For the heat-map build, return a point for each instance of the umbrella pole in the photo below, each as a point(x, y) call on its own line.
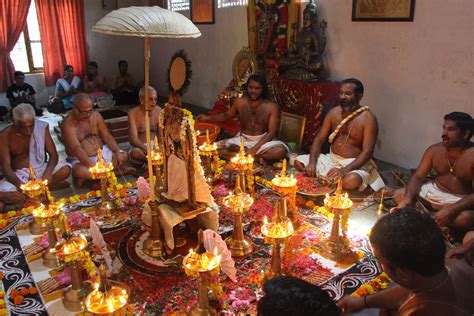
point(147, 116)
point(153, 245)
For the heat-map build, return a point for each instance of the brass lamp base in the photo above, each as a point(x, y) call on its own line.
point(36, 228)
point(270, 274)
point(50, 260)
point(197, 311)
point(73, 298)
point(239, 248)
point(153, 248)
point(105, 208)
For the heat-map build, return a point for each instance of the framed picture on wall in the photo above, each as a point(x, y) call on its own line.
point(383, 10)
point(202, 11)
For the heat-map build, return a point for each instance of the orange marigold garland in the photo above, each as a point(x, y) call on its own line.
point(375, 285)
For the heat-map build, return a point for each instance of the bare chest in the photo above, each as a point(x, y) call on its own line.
point(254, 119)
point(84, 130)
point(352, 132)
point(19, 145)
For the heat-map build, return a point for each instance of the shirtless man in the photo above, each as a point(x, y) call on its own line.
point(259, 119)
point(136, 125)
point(453, 161)
point(85, 132)
point(28, 141)
point(354, 132)
point(411, 249)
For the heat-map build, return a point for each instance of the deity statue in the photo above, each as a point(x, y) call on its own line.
point(305, 61)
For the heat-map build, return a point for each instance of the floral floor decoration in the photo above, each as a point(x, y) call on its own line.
point(168, 290)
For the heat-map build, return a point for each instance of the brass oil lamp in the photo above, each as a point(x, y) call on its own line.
point(277, 230)
point(66, 250)
point(102, 171)
point(286, 186)
point(337, 245)
point(202, 263)
point(242, 164)
point(36, 189)
point(45, 215)
point(107, 297)
point(238, 244)
point(209, 150)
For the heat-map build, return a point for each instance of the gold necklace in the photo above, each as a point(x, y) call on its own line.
point(451, 167)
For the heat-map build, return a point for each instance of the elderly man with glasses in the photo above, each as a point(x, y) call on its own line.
point(84, 132)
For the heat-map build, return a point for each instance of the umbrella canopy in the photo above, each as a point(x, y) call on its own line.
point(146, 22)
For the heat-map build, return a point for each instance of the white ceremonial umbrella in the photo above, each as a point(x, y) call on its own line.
point(147, 22)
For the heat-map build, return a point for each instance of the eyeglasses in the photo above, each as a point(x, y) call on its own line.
point(86, 111)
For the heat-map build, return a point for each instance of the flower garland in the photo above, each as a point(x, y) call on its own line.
point(217, 166)
point(84, 258)
point(3, 308)
point(381, 282)
point(18, 296)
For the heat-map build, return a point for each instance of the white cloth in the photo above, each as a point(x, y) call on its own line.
point(326, 162)
point(251, 140)
point(437, 197)
point(178, 183)
point(178, 191)
point(76, 82)
point(36, 157)
point(107, 156)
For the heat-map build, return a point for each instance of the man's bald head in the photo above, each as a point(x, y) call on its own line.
point(83, 107)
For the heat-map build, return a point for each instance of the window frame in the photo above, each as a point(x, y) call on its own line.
point(29, 52)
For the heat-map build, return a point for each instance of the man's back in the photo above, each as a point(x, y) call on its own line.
point(451, 297)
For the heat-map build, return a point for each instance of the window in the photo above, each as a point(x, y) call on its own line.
point(231, 3)
point(178, 5)
point(27, 55)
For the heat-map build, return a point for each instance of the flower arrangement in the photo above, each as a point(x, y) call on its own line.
point(84, 258)
point(381, 282)
point(17, 296)
point(3, 308)
point(241, 298)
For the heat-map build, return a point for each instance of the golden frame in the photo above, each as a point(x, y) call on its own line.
point(291, 128)
point(244, 58)
point(383, 10)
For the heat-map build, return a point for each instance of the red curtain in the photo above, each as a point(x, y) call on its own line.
point(12, 21)
point(62, 28)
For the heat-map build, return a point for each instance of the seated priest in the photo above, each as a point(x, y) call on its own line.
point(68, 86)
point(453, 162)
point(353, 131)
point(259, 120)
point(29, 142)
point(84, 132)
point(187, 193)
point(411, 249)
point(136, 126)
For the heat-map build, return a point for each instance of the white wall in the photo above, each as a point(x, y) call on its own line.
point(211, 55)
point(107, 50)
point(413, 72)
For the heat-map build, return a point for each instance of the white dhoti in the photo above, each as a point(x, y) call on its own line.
point(368, 172)
point(250, 141)
point(178, 191)
point(24, 175)
point(438, 198)
point(36, 157)
point(107, 156)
